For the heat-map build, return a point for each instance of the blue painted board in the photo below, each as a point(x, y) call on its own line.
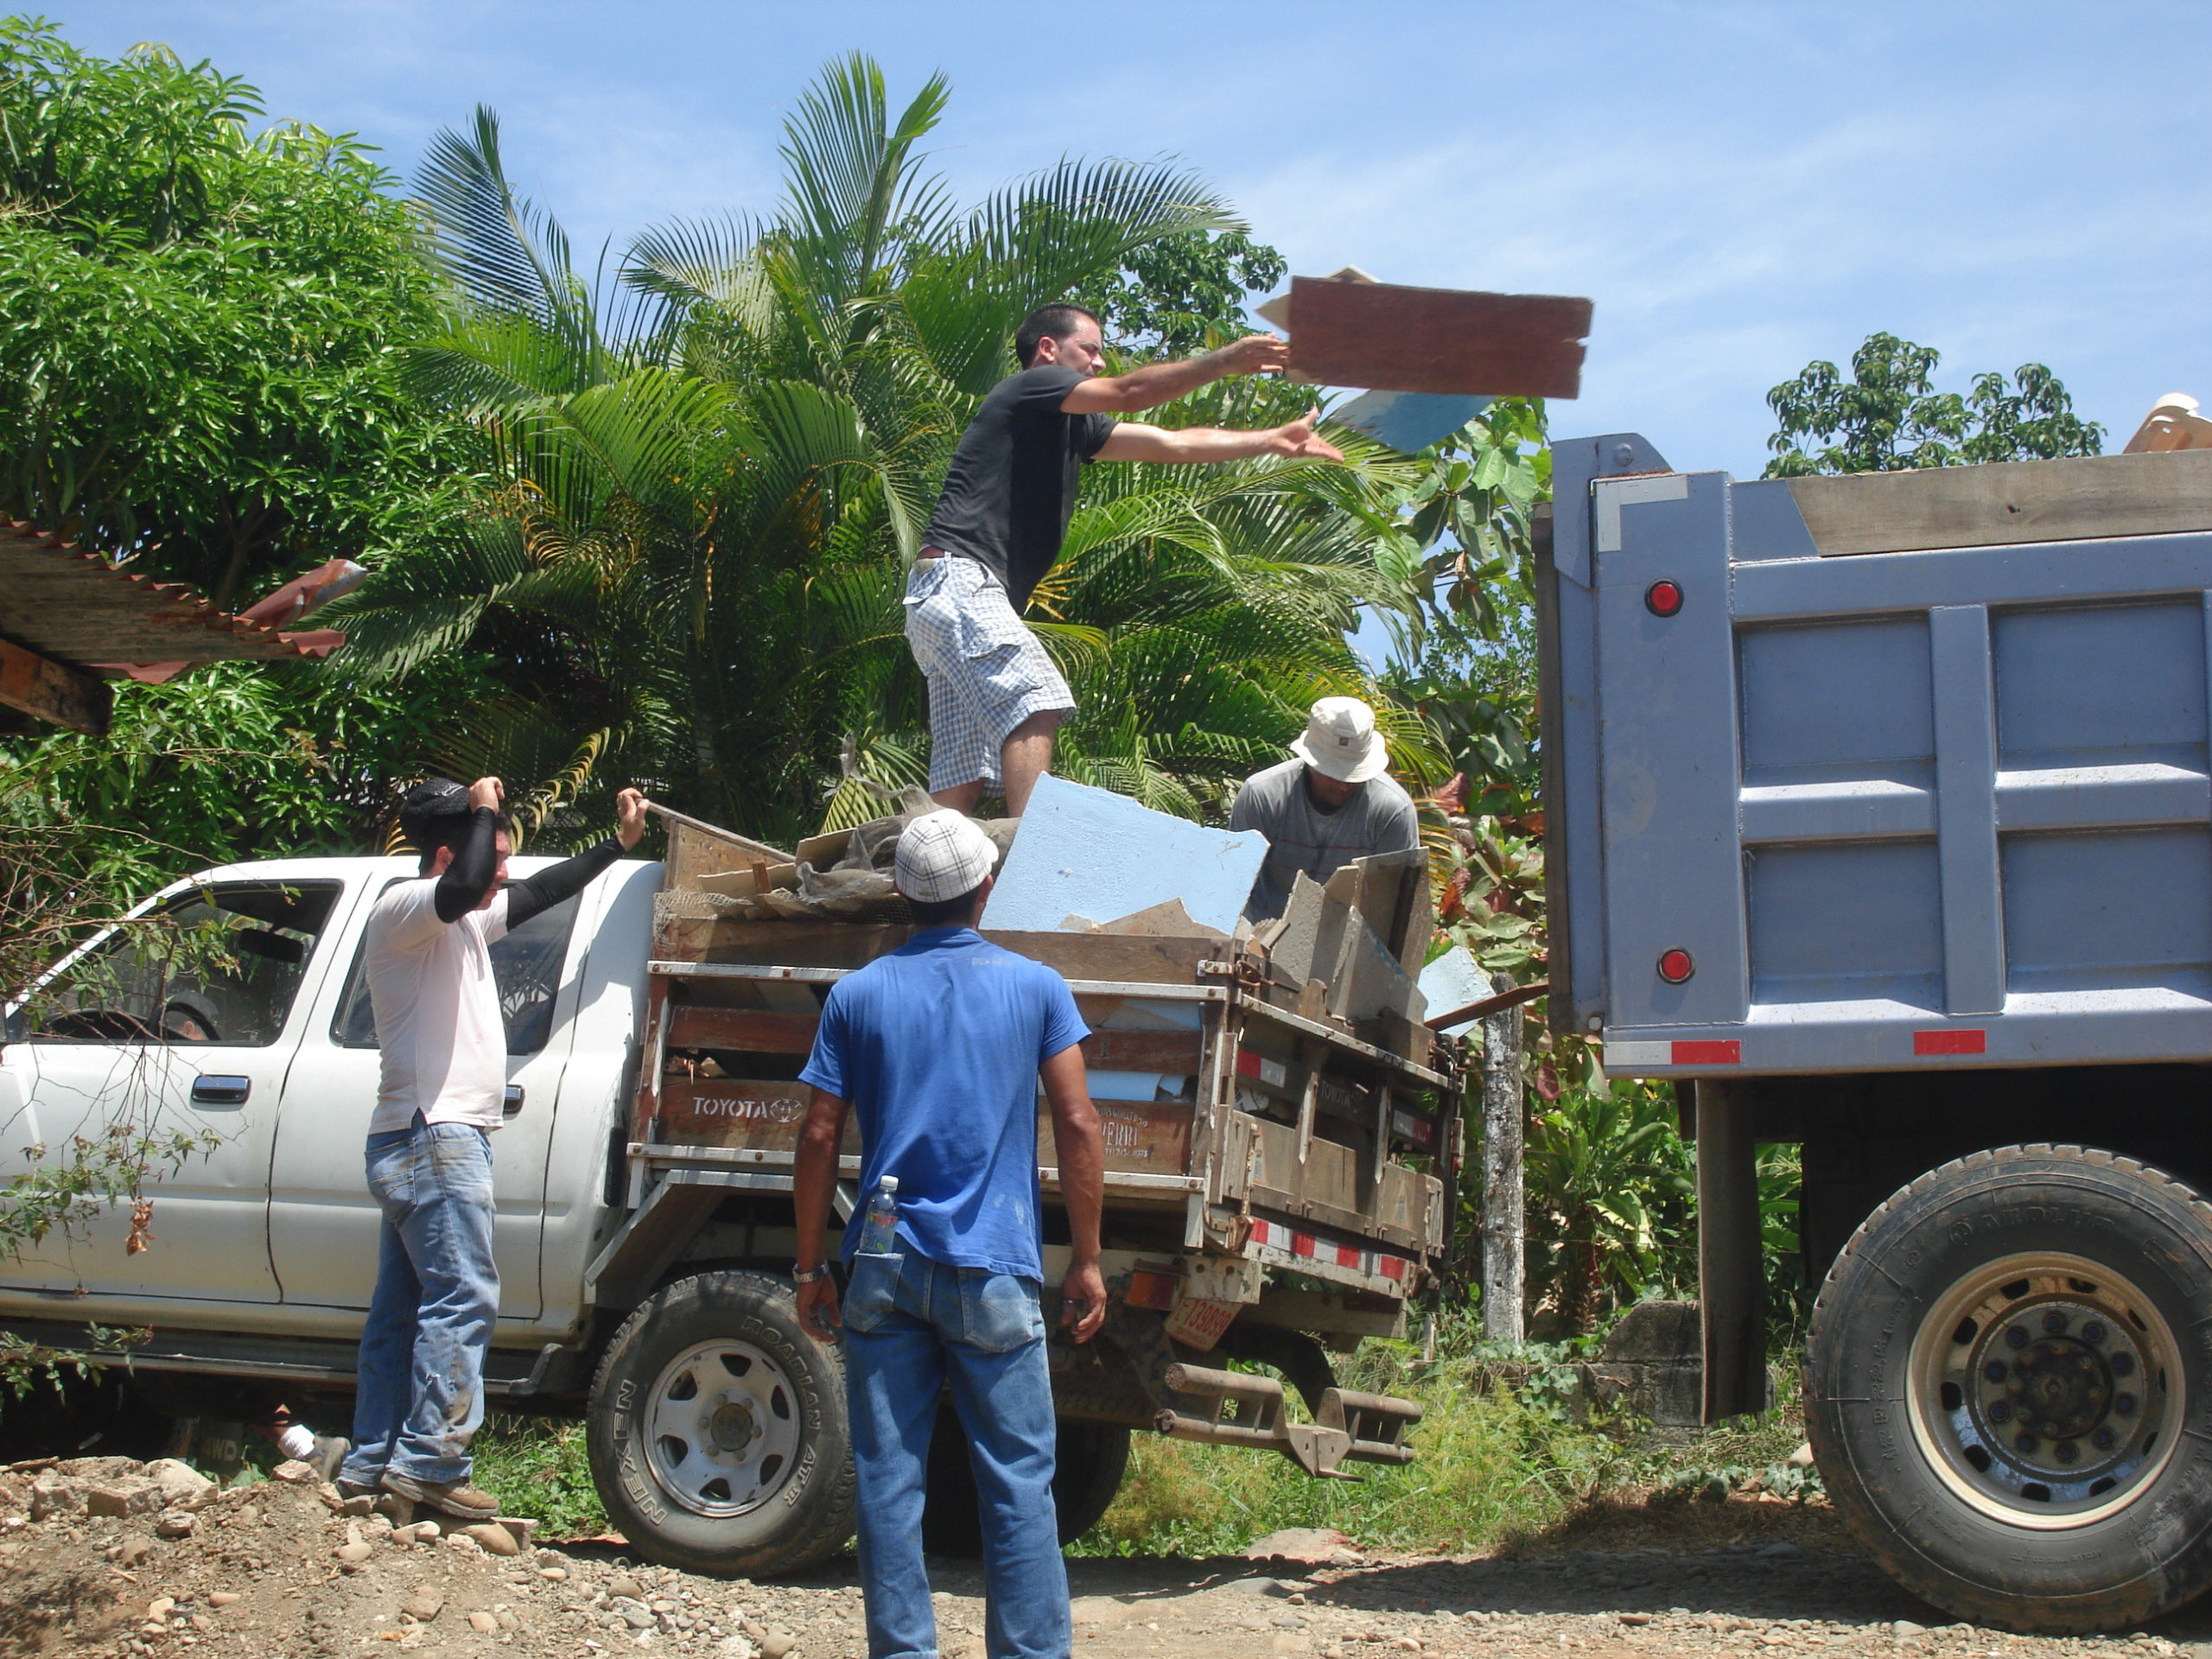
point(1089, 852)
point(1410, 421)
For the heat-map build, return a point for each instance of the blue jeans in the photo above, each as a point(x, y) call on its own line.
point(421, 1392)
point(911, 1326)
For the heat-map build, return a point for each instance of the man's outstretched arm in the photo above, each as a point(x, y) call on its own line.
point(1195, 445)
point(1163, 383)
point(535, 893)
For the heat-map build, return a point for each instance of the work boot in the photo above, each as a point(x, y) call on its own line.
point(455, 1497)
point(329, 1451)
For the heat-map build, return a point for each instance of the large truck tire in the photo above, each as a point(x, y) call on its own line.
point(1091, 1460)
point(717, 1430)
point(2006, 1395)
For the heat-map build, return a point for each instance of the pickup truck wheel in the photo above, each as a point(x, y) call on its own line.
point(1090, 1461)
point(2001, 1397)
point(717, 1432)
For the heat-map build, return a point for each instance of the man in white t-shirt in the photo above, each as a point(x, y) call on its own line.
point(426, 952)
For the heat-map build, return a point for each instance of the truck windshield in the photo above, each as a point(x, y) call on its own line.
point(218, 965)
point(527, 964)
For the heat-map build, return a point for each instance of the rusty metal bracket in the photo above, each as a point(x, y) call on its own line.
point(1249, 1410)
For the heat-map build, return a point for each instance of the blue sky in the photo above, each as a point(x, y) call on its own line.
point(1739, 187)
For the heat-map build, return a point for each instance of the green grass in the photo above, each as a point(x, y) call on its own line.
point(536, 1466)
point(1491, 1469)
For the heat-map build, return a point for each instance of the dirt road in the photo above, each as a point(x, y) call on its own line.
point(271, 1569)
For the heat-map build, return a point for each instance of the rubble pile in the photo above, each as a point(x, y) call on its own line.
point(108, 1556)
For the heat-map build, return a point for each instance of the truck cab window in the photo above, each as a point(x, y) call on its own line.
point(527, 964)
point(217, 965)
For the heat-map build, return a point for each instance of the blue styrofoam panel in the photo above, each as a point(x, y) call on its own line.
point(1830, 702)
point(1091, 853)
point(1673, 866)
point(1845, 922)
point(1455, 979)
point(1410, 421)
point(2100, 911)
point(2108, 683)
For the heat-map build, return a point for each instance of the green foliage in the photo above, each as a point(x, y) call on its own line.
point(1888, 416)
point(1466, 634)
point(707, 476)
point(537, 1466)
point(198, 364)
point(1174, 296)
point(1610, 1187)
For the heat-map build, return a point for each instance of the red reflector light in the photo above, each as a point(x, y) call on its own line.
point(1675, 966)
point(1950, 1042)
point(1727, 1053)
point(1663, 599)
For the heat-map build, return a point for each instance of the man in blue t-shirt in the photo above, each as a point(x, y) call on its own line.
point(938, 1048)
point(995, 699)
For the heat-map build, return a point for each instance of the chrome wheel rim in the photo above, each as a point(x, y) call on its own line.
point(2046, 1391)
point(721, 1429)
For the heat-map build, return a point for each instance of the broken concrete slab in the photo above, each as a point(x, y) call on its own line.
point(1089, 852)
point(1167, 920)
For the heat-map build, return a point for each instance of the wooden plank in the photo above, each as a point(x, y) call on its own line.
point(1142, 959)
point(1393, 339)
point(733, 1112)
point(54, 691)
point(2089, 498)
point(1142, 1137)
point(781, 945)
point(1178, 1053)
point(747, 1029)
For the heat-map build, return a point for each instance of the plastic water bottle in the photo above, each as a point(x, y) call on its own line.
point(879, 1231)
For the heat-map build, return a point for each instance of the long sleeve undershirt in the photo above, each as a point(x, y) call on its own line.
point(475, 867)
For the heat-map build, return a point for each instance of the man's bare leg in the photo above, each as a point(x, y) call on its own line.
point(961, 796)
point(1026, 755)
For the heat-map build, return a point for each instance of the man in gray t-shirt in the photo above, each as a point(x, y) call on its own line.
point(1331, 804)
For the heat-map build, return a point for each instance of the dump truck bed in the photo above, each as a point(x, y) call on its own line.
point(1885, 772)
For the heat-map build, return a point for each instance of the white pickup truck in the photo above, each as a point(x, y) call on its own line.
point(642, 1284)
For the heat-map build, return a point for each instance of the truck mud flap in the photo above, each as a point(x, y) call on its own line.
point(1248, 1410)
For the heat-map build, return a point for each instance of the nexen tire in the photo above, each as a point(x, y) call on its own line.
point(2007, 1390)
point(717, 1432)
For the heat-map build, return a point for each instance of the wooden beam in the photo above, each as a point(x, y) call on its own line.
point(1392, 339)
point(53, 691)
point(2086, 498)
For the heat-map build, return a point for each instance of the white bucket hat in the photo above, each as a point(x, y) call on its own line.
point(1341, 742)
point(942, 854)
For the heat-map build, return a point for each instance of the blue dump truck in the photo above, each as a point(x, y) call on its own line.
point(1880, 821)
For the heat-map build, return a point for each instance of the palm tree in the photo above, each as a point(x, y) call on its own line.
point(705, 476)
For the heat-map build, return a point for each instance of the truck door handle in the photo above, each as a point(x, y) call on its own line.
point(217, 1089)
point(511, 1104)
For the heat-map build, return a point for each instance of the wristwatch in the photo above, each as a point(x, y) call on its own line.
point(810, 1275)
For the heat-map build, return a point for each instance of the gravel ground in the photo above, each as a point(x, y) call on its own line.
point(272, 1569)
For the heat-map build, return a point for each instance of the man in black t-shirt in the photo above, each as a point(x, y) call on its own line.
point(995, 699)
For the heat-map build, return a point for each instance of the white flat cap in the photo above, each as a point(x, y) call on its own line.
point(942, 854)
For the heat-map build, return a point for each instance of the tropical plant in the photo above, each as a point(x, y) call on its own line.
point(1609, 1187)
point(198, 367)
point(1889, 416)
point(708, 474)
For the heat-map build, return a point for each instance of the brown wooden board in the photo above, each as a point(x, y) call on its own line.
point(53, 691)
point(2090, 497)
point(778, 944)
point(1393, 339)
point(1142, 1137)
point(744, 1029)
point(733, 1112)
point(1100, 956)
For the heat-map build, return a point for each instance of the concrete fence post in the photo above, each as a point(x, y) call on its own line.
point(1504, 1225)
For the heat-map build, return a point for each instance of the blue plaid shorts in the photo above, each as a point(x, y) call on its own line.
point(986, 671)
